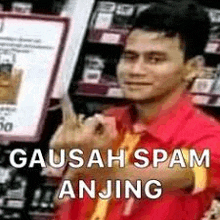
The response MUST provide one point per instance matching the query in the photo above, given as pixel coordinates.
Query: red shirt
(181, 126)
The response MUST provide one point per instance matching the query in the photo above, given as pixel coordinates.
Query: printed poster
(30, 51)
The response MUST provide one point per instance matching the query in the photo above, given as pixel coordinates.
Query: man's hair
(185, 17)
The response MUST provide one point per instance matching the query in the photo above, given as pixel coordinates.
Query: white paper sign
(30, 52)
(110, 38)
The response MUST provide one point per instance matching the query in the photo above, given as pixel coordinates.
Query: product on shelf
(202, 85)
(216, 87)
(209, 73)
(123, 15)
(141, 7)
(22, 7)
(214, 15)
(103, 16)
(93, 69)
(215, 33)
(17, 188)
(46, 200)
(36, 199)
(42, 200)
(111, 15)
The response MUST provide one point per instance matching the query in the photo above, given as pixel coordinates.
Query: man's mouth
(137, 83)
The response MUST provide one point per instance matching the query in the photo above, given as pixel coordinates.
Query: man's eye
(128, 56)
(156, 59)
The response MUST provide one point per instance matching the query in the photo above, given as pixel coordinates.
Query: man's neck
(149, 111)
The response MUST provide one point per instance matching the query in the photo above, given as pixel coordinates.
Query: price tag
(201, 99)
(110, 38)
(212, 47)
(115, 92)
(15, 204)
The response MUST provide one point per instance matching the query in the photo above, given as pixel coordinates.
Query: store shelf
(100, 90)
(205, 94)
(41, 215)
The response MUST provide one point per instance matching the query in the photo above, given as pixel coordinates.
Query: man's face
(151, 67)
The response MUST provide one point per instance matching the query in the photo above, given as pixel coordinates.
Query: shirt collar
(166, 125)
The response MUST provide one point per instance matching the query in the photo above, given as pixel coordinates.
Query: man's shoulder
(201, 127)
(204, 121)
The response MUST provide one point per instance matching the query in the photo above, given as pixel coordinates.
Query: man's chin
(139, 98)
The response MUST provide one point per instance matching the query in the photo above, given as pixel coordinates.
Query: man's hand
(86, 134)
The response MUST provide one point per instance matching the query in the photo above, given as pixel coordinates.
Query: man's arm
(170, 178)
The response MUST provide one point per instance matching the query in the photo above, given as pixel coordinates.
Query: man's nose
(139, 67)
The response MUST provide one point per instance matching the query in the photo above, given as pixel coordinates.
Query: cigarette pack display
(106, 6)
(5, 174)
(140, 8)
(103, 16)
(214, 15)
(42, 200)
(17, 189)
(36, 199)
(215, 33)
(103, 20)
(93, 68)
(45, 203)
(209, 73)
(22, 7)
(2, 199)
(1, 213)
(216, 87)
(202, 86)
(123, 15)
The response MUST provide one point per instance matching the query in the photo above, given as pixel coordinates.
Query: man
(159, 60)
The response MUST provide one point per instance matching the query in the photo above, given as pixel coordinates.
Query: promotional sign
(30, 51)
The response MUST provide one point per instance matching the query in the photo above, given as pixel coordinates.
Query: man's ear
(194, 68)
